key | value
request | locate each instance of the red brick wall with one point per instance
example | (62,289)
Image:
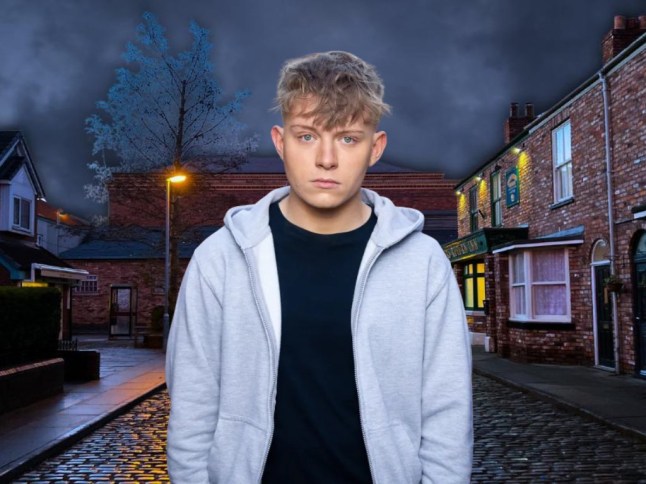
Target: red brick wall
(90,312)
(589,209)
(139,199)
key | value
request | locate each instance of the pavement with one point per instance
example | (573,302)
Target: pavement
(615,400)
(33,433)
(128,376)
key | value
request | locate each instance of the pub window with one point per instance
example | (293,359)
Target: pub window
(473,208)
(496,199)
(539,285)
(562,156)
(474,286)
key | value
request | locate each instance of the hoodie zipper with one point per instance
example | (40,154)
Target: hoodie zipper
(355,323)
(274,371)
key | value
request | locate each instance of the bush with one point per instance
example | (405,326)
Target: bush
(29,323)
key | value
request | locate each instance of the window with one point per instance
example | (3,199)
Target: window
(539,285)
(496,199)
(474,286)
(562,156)
(89,286)
(22,213)
(473,208)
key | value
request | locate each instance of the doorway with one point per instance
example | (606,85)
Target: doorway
(602,307)
(123,310)
(640,304)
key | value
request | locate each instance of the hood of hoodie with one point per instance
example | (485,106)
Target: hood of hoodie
(249,224)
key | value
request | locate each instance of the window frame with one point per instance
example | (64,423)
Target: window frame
(496,203)
(528,284)
(562,165)
(18,204)
(83,290)
(474,275)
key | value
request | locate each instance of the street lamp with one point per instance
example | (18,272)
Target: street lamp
(166,319)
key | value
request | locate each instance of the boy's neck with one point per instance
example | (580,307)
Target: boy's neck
(345,218)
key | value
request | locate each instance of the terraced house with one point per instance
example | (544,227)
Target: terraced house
(551,254)
(29,227)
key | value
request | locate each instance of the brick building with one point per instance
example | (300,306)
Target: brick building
(551,254)
(125,260)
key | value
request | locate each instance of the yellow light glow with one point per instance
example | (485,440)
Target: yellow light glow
(177,178)
(33,284)
(516,150)
(523,164)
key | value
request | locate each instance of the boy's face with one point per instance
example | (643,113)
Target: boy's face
(325,168)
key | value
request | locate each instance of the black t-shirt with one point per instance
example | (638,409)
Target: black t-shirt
(317,434)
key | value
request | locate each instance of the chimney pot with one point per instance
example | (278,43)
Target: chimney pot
(642,22)
(529,110)
(513,110)
(620,22)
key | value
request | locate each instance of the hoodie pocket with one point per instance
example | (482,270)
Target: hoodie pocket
(394,456)
(236,453)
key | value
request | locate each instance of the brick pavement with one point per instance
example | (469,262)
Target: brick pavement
(518,439)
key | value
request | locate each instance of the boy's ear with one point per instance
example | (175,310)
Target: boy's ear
(277,138)
(379,141)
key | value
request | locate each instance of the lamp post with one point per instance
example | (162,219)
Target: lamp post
(166,318)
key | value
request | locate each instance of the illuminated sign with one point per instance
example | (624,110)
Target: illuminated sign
(512,187)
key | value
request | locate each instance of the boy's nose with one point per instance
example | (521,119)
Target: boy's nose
(326,156)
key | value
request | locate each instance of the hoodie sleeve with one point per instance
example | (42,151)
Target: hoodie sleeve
(192,378)
(447,423)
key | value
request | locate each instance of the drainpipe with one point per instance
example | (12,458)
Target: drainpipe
(611,218)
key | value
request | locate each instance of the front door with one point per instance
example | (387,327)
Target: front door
(603,317)
(122,310)
(640,315)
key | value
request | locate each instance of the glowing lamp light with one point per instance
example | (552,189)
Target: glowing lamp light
(176,178)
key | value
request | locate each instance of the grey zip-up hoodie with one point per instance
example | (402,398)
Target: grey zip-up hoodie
(410,340)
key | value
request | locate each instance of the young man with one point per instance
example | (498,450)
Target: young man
(320,337)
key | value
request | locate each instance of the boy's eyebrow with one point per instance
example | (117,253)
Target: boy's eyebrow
(312,128)
(302,126)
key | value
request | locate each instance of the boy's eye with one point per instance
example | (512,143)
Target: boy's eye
(348,139)
(307,137)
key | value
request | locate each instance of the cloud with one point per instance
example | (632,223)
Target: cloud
(450,68)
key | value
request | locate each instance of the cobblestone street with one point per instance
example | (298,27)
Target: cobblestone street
(518,439)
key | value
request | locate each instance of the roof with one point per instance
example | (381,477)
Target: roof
(7,139)
(58,215)
(19,255)
(605,69)
(132,243)
(9,165)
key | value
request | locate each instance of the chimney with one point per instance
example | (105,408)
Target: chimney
(515,124)
(624,32)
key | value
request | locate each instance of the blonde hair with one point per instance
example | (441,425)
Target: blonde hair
(343,86)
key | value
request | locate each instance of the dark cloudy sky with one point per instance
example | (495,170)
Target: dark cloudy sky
(451,68)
